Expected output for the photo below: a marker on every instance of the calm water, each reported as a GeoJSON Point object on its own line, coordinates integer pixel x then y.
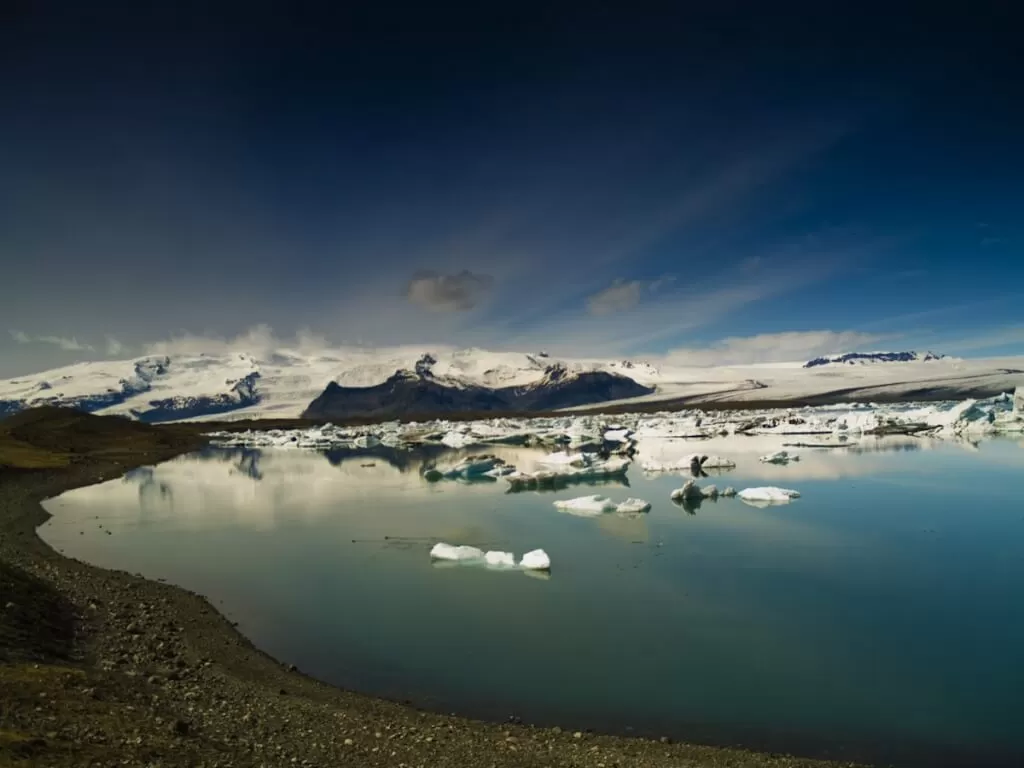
{"type": "Point", "coordinates": [879, 616]}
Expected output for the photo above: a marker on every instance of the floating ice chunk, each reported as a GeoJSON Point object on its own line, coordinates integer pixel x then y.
{"type": "Point", "coordinates": [586, 505]}
{"type": "Point", "coordinates": [497, 559]}
{"type": "Point", "coordinates": [768, 494]}
{"type": "Point", "coordinates": [474, 466]}
{"type": "Point", "coordinates": [728, 492]}
{"type": "Point", "coordinates": [462, 554]}
{"type": "Point", "coordinates": [1018, 401]}
{"type": "Point", "coordinates": [694, 462]}
{"type": "Point", "coordinates": [563, 459]}
{"type": "Point", "coordinates": [718, 462]}
{"type": "Point", "coordinates": [709, 492]}
{"type": "Point", "coordinates": [592, 468]}
{"type": "Point", "coordinates": [633, 507]}
{"type": "Point", "coordinates": [366, 441]}
{"type": "Point", "coordinates": [536, 560]}
{"type": "Point", "coordinates": [690, 490]}
{"type": "Point", "coordinates": [617, 435]}
{"type": "Point", "coordinates": [780, 457]}
{"type": "Point", "coordinates": [457, 439]}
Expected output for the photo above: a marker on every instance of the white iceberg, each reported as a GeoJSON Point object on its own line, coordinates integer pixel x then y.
{"type": "Point", "coordinates": [497, 559]}
{"type": "Point", "coordinates": [768, 495]}
{"type": "Point", "coordinates": [587, 505]}
{"type": "Point", "coordinates": [589, 468]}
{"type": "Point", "coordinates": [780, 457]}
{"type": "Point", "coordinates": [693, 462]}
{"type": "Point", "coordinates": [458, 439]}
{"type": "Point", "coordinates": [618, 435]}
{"type": "Point", "coordinates": [536, 560]}
{"type": "Point", "coordinates": [633, 507]}
{"type": "Point", "coordinates": [462, 553]}
{"type": "Point", "coordinates": [474, 466]}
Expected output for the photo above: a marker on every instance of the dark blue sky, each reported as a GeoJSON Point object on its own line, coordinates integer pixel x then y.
{"type": "Point", "coordinates": [588, 178]}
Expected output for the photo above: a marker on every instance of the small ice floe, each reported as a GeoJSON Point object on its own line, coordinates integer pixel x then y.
{"type": "Point", "coordinates": [458, 439]}
{"type": "Point", "coordinates": [449, 554]}
{"type": "Point", "coordinates": [780, 457]}
{"type": "Point", "coordinates": [587, 505]}
{"type": "Point", "coordinates": [767, 495]}
{"type": "Point", "coordinates": [729, 492]}
{"type": "Point", "coordinates": [695, 463]}
{"type": "Point", "coordinates": [497, 559]}
{"type": "Point", "coordinates": [633, 507]}
{"type": "Point", "coordinates": [461, 553]}
{"type": "Point", "coordinates": [589, 467]}
{"type": "Point", "coordinates": [620, 435]}
{"type": "Point", "coordinates": [366, 441]}
{"type": "Point", "coordinates": [536, 560]}
{"type": "Point", "coordinates": [691, 491]}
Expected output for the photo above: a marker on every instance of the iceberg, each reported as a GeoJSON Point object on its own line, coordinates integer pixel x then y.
{"type": "Point", "coordinates": [768, 495]}
{"type": "Point", "coordinates": [461, 554]}
{"type": "Point", "coordinates": [590, 468]}
{"type": "Point", "coordinates": [633, 507]}
{"type": "Point", "coordinates": [457, 439]}
{"type": "Point", "coordinates": [536, 560]}
{"type": "Point", "coordinates": [497, 559]}
{"type": "Point", "coordinates": [691, 491]}
{"type": "Point", "coordinates": [780, 457]}
{"type": "Point", "coordinates": [587, 505]}
{"type": "Point", "coordinates": [694, 462]}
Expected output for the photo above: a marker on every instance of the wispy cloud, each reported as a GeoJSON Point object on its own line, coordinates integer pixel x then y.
{"type": "Point", "coordinates": [258, 340]}
{"type": "Point", "coordinates": [68, 344]}
{"type": "Point", "coordinates": [773, 348]}
{"type": "Point", "coordinates": [114, 346]}
{"type": "Point", "coordinates": [617, 297]}
{"type": "Point", "coordinates": [987, 339]}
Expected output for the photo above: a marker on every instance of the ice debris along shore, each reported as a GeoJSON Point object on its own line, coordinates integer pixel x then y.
{"type": "Point", "coordinates": [534, 560]}
{"type": "Point", "coordinates": [617, 439]}
{"type": "Point", "coordinates": [592, 506]}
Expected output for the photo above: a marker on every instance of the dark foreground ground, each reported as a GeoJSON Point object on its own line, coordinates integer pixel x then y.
{"type": "Point", "coordinates": [103, 668]}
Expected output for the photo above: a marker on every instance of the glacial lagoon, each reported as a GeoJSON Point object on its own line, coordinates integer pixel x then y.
{"type": "Point", "coordinates": [880, 616]}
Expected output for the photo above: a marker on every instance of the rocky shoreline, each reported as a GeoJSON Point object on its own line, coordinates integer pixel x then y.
{"type": "Point", "coordinates": [106, 668]}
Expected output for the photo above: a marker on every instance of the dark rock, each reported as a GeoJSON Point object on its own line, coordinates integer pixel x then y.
{"type": "Point", "coordinates": [181, 727]}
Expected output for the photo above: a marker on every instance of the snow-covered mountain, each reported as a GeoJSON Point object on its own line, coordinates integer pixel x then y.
{"type": "Point", "coordinates": [869, 358]}
{"type": "Point", "coordinates": [421, 392]}
{"type": "Point", "coordinates": [285, 383]}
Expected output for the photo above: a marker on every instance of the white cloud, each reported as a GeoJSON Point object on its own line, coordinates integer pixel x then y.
{"type": "Point", "coordinates": [259, 340]}
{"type": "Point", "coordinates": [987, 339]}
{"type": "Point", "coordinates": [458, 292]}
{"type": "Point", "coordinates": [67, 344]}
{"type": "Point", "coordinates": [789, 346]}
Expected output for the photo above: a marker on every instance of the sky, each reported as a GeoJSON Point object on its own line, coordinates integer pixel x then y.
{"type": "Point", "coordinates": [712, 182]}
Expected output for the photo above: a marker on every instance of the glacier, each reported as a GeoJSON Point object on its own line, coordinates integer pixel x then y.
{"type": "Point", "coordinates": [285, 383]}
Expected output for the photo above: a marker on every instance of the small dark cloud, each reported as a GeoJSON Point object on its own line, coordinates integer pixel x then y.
{"type": "Point", "coordinates": [459, 292]}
